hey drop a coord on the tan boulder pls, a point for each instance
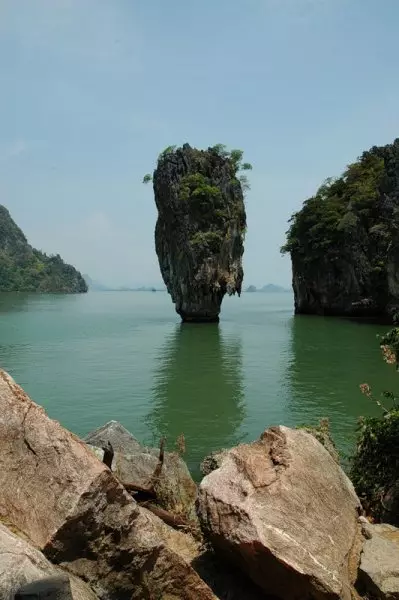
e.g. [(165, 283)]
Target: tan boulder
[(286, 512), (54, 490), (21, 563)]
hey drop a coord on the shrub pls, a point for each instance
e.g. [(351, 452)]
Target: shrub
[(375, 462)]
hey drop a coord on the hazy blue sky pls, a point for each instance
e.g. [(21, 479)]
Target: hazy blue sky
[(93, 90)]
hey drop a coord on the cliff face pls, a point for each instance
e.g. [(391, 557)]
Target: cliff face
[(24, 269), (344, 242), (200, 229)]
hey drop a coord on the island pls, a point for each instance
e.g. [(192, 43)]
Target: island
[(199, 234), (344, 241), (25, 269)]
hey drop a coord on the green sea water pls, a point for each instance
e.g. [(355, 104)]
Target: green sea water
[(125, 356)]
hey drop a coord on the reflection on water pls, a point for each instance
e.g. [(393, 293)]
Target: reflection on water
[(10, 302), (330, 359), (198, 390), (100, 356)]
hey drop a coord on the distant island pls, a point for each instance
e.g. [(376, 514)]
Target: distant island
[(25, 269), (96, 286), (269, 288)]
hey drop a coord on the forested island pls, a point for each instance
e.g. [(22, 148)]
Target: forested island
[(25, 269), (344, 242)]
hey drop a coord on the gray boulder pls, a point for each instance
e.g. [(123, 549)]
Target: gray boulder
[(379, 565), (22, 564), (134, 463), (120, 438), (212, 461)]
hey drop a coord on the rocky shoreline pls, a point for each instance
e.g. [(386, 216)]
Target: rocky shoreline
[(276, 518)]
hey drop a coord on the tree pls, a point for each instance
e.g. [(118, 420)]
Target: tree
[(235, 156), (147, 178)]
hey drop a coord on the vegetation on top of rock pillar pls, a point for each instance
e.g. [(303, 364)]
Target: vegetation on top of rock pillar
[(210, 207), (235, 156), (375, 463)]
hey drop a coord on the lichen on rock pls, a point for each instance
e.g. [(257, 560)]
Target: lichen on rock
[(200, 229)]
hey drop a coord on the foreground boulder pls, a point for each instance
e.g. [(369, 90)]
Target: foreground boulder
[(199, 235), (288, 515), (134, 463), (379, 566), (55, 491), (21, 564)]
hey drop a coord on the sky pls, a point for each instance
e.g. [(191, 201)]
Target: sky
[(93, 90)]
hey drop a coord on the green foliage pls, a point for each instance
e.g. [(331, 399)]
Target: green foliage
[(375, 462), (390, 345), (196, 187), (208, 240), (346, 237), (220, 150), (168, 150), (24, 269), (324, 227), (243, 179), (147, 178), (206, 192), (236, 157)]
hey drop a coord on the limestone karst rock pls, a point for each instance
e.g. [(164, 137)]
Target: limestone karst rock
[(344, 242), (200, 228)]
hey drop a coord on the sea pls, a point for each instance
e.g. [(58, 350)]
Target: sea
[(126, 356)]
